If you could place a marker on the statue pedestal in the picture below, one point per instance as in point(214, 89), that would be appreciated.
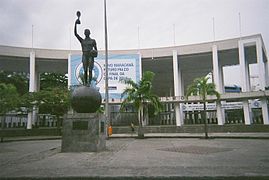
point(83, 132)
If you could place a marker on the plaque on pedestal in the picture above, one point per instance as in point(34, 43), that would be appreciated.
point(83, 132)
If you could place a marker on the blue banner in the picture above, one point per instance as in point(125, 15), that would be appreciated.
point(119, 67)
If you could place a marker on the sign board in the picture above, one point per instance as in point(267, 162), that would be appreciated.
point(119, 67)
point(212, 106)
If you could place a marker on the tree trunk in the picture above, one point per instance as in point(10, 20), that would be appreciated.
point(146, 115)
point(59, 124)
point(2, 128)
point(58, 121)
point(140, 132)
point(205, 121)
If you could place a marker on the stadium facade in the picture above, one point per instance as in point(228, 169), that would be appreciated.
point(175, 68)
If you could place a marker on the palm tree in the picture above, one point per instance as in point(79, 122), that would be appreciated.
point(201, 87)
point(140, 95)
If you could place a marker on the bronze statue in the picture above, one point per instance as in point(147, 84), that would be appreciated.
point(89, 52)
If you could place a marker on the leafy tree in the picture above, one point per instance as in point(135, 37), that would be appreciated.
point(51, 80)
point(9, 99)
point(201, 87)
point(140, 95)
point(29, 100)
point(19, 80)
point(55, 101)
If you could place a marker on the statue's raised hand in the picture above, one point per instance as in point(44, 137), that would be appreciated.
point(78, 15)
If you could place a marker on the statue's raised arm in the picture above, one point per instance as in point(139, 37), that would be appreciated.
point(75, 28)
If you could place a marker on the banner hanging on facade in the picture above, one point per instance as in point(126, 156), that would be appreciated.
point(119, 67)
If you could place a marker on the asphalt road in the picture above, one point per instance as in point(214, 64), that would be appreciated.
point(133, 158)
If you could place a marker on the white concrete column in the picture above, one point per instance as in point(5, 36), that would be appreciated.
point(177, 89)
point(29, 120)
point(247, 113)
point(261, 64)
point(181, 83)
point(220, 114)
point(266, 74)
point(245, 79)
point(218, 80)
point(181, 93)
point(264, 101)
point(265, 114)
point(33, 74)
point(263, 78)
point(175, 72)
point(217, 70)
point(33, 85)
point(244, 68)
point(266, 66)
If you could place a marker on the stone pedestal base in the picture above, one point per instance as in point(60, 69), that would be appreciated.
point(83, 132)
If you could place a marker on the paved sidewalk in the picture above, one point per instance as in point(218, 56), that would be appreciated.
point(131, 158)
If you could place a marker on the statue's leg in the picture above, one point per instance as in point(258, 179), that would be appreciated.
point(85, 68)
point(91, 64)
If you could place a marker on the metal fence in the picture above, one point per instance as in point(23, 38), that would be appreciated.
point(20, 120)
point(235, 116)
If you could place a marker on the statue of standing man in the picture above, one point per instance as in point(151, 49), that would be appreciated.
point(89, 52)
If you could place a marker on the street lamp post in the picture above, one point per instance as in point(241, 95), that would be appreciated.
point(106, 68)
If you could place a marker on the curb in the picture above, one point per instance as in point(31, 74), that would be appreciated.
point(143, 177)
point(201, 136)
point(9, 139)
point(118, 136)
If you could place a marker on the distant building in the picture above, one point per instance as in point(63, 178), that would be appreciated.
point(175, 68)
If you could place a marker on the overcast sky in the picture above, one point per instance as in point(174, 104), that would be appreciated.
point(192, 19)
point(160, 23)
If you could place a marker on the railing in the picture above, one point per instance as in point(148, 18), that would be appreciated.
point(20, 121)
point(14, 120)
point(223, 97)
